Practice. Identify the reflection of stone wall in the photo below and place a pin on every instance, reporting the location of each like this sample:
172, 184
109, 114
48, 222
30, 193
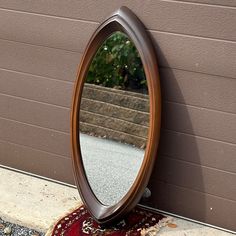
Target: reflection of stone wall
115, 114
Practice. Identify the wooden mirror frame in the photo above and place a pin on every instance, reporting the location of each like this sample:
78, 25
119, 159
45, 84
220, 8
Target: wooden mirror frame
124, 21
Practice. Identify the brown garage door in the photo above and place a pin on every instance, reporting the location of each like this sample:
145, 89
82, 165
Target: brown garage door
41, 44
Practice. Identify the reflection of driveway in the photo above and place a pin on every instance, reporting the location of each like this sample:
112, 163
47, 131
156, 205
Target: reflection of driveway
111, 167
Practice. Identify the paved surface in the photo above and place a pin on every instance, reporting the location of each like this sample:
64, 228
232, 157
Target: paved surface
112, 164
7, 228
37, 203
33, 202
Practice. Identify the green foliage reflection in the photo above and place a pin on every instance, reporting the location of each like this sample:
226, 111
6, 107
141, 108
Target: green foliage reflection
117, 64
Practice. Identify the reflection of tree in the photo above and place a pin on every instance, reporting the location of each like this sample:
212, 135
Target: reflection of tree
118, 64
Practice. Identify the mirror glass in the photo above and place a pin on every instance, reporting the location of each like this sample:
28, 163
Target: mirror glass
114, 119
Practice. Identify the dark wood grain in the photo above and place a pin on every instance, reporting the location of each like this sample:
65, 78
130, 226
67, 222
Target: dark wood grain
125, 21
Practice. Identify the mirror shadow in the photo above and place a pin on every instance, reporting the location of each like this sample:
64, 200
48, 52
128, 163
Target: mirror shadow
176, 183
114, 119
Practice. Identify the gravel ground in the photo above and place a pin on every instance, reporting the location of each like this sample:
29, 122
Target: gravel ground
9, 229
111, 167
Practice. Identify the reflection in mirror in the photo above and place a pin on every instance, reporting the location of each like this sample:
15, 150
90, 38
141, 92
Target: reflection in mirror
114, 119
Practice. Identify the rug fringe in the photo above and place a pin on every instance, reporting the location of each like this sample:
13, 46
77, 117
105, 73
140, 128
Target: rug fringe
153, 230
51, 228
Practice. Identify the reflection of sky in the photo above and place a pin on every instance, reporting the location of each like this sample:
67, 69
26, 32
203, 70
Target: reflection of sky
111, 167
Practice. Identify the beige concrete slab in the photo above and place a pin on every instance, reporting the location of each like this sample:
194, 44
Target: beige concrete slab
37, 203
33, 202
187, 228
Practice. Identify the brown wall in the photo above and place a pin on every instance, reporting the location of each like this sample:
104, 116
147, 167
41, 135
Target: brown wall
41, 43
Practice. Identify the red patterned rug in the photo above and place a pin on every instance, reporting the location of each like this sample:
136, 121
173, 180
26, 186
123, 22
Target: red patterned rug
138, 222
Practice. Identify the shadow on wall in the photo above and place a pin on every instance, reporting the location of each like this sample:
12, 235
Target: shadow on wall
176, 184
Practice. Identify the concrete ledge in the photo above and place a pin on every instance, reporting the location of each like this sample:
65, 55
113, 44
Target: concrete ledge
37, 203
33, 202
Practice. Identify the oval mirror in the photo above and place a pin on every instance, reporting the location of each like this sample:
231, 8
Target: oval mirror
115, 117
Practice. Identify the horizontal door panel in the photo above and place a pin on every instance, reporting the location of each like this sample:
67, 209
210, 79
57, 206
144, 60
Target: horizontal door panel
193, 204
198, 150
178, 86
38, 60
202, 122
230, 3
196, 54
182, 17
35, 113
199, 178
46, 31
35, 137
173, 51
36, 88
36, 161
198, 89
